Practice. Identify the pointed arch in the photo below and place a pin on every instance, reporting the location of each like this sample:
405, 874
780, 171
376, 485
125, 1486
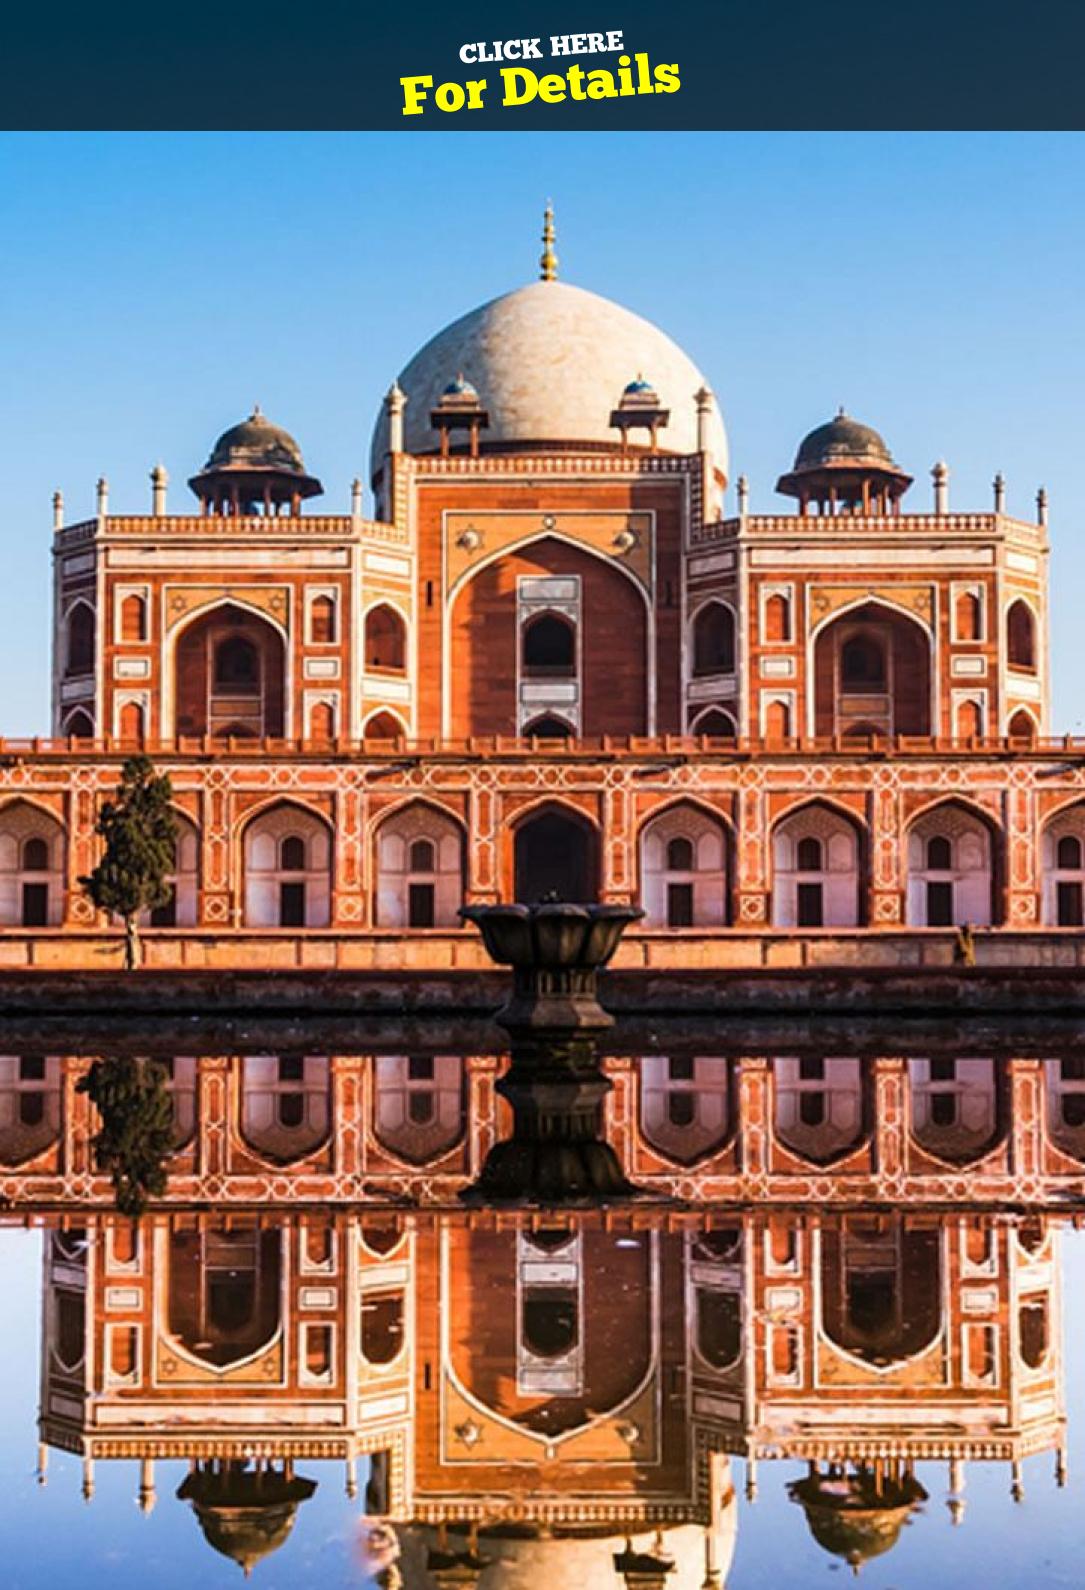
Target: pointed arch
228, 672
419, 1110
80, 643
419, 852
953, 861
818, 854
385, 640
1022, 726
1021, 648
287, 865
78, 725
871, 660
285, 1105
1062, 852
555, 851
715, 724
714, 631
383, 725
684, 855
687, 1108
822, 1106
32, 861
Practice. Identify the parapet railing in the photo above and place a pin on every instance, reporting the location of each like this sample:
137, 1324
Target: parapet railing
862, 524
873, 747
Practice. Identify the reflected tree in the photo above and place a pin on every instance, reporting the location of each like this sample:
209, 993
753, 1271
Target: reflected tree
136, 1136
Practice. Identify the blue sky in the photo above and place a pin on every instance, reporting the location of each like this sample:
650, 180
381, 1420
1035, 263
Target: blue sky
152, 287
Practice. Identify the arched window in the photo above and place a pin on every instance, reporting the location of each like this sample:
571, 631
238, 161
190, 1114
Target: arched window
292, 854
80, 640
1069, 852
1033, 1330
1021, 636
133, 618
862, 664
939, 853
382, 1326
237, 666
968, 616
808, 854
35, 855
285, 1104
714, 640
555, 852
777, 618
954, 1107
685, 1104
549, 1322
79, 725
969, 720
29, 1106
548, 647
683, 864
385, 640
418, 1104
322, 621
423, 858
819, 1106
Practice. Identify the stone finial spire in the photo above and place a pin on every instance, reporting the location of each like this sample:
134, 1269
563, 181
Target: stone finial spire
999, 484
159, 481
704, 401
58, 510
742, 486
940, 476
1041, 508
103, 496
395, 403
548, 260
356, 498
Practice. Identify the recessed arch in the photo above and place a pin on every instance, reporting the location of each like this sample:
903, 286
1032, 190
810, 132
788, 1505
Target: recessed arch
1022, 726
285, 1104
821, 1110
384, 725
29, 1106
385, 639
872, 662
548, 726
555, 851
548, 646
228, 672
714, 638
956, 1113
715, 723
825, 893
418, 864
953, 856
1021, 649
32, 861
223, 1293
80, 639
419, 1112
78, 725
1062, 853
881, 1289
687, 1109
684, 855
279, 893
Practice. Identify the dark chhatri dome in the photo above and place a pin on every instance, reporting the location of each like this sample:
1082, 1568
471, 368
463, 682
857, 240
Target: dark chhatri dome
843, 441
256, 444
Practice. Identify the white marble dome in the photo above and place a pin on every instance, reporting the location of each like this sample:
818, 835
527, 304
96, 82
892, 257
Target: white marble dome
550, 363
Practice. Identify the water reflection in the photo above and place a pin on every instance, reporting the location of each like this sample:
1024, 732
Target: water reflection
691, 1125
555, 1397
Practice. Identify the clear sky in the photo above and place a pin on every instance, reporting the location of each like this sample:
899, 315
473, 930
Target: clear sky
153, 287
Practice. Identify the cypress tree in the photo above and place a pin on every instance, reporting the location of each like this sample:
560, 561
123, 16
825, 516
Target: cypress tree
136, 1134
140, 834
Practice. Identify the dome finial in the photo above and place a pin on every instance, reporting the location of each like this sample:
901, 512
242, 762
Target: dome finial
548, 260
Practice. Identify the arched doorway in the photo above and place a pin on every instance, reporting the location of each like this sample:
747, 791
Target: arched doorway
419, 868
556, 851
31, 867
951, 868
287, 869
228, 675
872, 665
683, 869
816, 869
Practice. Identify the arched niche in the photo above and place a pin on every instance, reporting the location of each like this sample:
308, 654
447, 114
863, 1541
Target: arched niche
418, 1105
686, 1105
287, 860
816, 869
881, 1289
1064, 1091
1062, 849
29, 1106
79, 640
555, 851
1021, 636
713, 640
32, 856
224, 1292
683, 854
419, 853
951, 868
955, 1107
820, 1112
872, 664
285, 1104
385, 640
229, 675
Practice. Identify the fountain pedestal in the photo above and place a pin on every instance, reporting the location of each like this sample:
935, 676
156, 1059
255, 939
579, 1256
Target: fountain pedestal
554, 1084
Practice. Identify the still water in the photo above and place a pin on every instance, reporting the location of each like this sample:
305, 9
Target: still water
837, 1330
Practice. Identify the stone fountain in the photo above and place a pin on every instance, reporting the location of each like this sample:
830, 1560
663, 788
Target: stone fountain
554, 1084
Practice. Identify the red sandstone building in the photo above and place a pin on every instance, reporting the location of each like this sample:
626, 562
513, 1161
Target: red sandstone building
551, 658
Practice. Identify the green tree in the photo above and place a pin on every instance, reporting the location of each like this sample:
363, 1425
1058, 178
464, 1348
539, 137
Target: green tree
140, 833
136, 1135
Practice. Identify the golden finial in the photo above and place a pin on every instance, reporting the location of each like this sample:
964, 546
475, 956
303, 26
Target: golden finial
548, 260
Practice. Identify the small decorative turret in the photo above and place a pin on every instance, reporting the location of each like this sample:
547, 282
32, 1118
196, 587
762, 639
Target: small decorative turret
58, 510
644, 1570
459, 408
1041, 508
639, 408
159, 481
103, 496
395, 402
254, 468
999, 485
845, 467
940, 476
